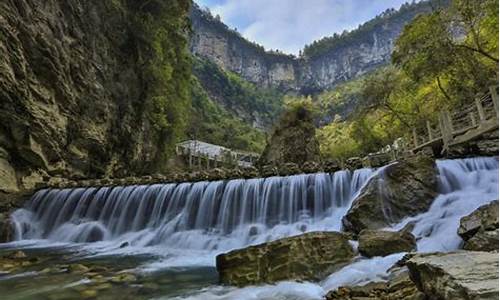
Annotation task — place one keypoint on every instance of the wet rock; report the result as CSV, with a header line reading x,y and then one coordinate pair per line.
x,y
459,275
78,269
289,169
479,230
382,243
268,171
398,287
403,189
366,292
123,278
354,163
310,256
88,294
331,166
18,255
311,167
6,229
103,286
124,244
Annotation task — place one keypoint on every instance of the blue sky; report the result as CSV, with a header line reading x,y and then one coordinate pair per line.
x,y
290,24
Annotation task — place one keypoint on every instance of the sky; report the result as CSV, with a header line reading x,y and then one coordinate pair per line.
x,y
288,25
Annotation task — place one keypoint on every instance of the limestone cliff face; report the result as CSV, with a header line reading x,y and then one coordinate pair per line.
x,y
71,93
350,61
214,40
359,53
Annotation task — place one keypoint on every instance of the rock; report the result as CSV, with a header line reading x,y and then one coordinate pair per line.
x,y
288,169
268,171
398,287
485,145
48,65
293,140
382,243
354,163
458,275
483,241
88,294
311,167
479,230
78,269
103,286
8,180
310,256
18,255
123,278
6,229
403,189
368,291
331,166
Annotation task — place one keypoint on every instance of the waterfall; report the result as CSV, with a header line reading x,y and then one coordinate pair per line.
x,y
188,224
464,186
200,215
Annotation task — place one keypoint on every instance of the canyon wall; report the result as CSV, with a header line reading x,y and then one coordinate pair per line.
x,y
358,52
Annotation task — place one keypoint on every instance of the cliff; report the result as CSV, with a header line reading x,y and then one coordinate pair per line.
x,y
326,62
78,89
213,40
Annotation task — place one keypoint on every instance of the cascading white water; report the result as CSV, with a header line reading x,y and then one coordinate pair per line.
x,y
202,215
465,185
192,222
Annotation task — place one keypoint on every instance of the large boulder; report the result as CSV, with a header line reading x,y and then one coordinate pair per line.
x,y
460,275
479,230
405,188
310,256
293,140
382,243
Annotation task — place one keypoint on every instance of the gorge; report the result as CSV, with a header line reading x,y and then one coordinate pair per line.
x,y
98,202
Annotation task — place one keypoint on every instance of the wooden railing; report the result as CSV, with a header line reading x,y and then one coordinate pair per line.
x,y
479,116
462,125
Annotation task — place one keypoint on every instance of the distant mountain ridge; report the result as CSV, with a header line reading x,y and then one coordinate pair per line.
x,y
325,63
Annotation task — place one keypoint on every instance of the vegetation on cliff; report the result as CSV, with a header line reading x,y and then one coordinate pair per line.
x,y
160,29
442,60
364,33
293,139
212,123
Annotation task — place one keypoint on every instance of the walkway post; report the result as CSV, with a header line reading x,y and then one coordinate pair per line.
x,y
429,129
480,110
415,137
473,119
494,97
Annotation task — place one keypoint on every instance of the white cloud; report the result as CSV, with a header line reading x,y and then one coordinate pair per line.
x,y
290,24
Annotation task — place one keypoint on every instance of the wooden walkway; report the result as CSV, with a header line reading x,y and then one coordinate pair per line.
x,y
457,127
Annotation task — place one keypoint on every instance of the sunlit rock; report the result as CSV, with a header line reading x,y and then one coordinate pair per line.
x,y
310,256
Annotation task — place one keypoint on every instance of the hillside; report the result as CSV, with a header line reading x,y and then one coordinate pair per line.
x,y
326,62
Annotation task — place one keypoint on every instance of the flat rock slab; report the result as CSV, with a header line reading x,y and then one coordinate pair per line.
x,y
310,256
458,275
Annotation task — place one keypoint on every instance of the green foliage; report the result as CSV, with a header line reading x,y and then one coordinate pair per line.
x,y
213,124
454,48
237,94
363,34
434,68
160,31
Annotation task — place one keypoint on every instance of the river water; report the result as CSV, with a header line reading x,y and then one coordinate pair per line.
x,y
167,235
